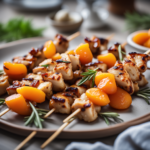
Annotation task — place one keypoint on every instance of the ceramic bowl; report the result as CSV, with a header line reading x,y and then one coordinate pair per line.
x,y
135,45
66,26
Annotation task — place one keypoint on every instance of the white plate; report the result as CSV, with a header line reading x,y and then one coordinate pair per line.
x,y
132,43
138,112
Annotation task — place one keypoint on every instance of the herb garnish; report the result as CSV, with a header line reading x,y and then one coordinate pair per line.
x,y
16,29
121,53
136,21
108,115
2,101
62,61
1,72
35,116
144,93
88,76
45,65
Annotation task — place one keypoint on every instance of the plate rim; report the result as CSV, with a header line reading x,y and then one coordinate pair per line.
x,y
123,125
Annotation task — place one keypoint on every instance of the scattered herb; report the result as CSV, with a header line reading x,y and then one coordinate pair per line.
x,y
62,61
36,116
136,21
120,53
88,76
45,65
16,29
1,72
108,115
2,101
144,93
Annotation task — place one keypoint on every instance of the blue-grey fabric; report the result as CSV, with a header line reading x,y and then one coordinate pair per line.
x,y
133,138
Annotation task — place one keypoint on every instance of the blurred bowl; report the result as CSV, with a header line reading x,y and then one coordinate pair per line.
x,y
135,45
74,24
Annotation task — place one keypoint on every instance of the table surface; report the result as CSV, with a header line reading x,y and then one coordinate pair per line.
x,y
114,24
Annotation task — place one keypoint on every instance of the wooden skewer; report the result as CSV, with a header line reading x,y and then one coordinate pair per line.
x,y
147,52
110,37
124,44
26,140
71,37
4,112
29,137
51,138
72,115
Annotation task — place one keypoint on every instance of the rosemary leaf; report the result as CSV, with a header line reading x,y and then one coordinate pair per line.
x,y
1,72
106,120
120,53
30,119
2,101
84,79
45,65
37,116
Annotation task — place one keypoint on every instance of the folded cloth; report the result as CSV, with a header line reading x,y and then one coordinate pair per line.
x,y
133,138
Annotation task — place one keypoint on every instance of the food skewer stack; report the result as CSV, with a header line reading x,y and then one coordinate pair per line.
x,y
54,71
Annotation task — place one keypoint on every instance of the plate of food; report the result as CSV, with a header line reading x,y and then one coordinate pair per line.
x,y
103,87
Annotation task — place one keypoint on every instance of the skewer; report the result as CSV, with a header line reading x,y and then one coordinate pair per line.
x,y
124,44
71,37
110,37
26,140
29,137
72,115
4,112
49,140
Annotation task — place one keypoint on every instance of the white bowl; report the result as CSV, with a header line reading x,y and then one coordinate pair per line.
x,y
133,44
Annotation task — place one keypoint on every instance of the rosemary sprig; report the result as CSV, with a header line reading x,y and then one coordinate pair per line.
x,y
36,116
120,53
2,101
108,115
45,65
88,76
136,21
62,61
1,72
144,93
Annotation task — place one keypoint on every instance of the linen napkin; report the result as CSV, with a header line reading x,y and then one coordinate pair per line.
x,y
134,138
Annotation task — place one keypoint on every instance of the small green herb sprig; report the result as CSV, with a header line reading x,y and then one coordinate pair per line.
x,y
18,28
136,21
45,65
35,117
90,74
1,72
144,93
121,53
110,115
2,101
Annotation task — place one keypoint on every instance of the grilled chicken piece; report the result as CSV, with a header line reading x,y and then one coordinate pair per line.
x,y
56,79
4,83
64,68
77,90
51,64
93,65
60,103
61,43
122,78
75,62
136,86
132,70
32,59
46,87
114,50
87,84
104,44
94,44
88,112
39,70
143,81
140,60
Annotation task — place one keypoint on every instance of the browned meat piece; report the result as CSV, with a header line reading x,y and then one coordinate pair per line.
x,y
143,81
140,60
122,78
61,43
114,50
